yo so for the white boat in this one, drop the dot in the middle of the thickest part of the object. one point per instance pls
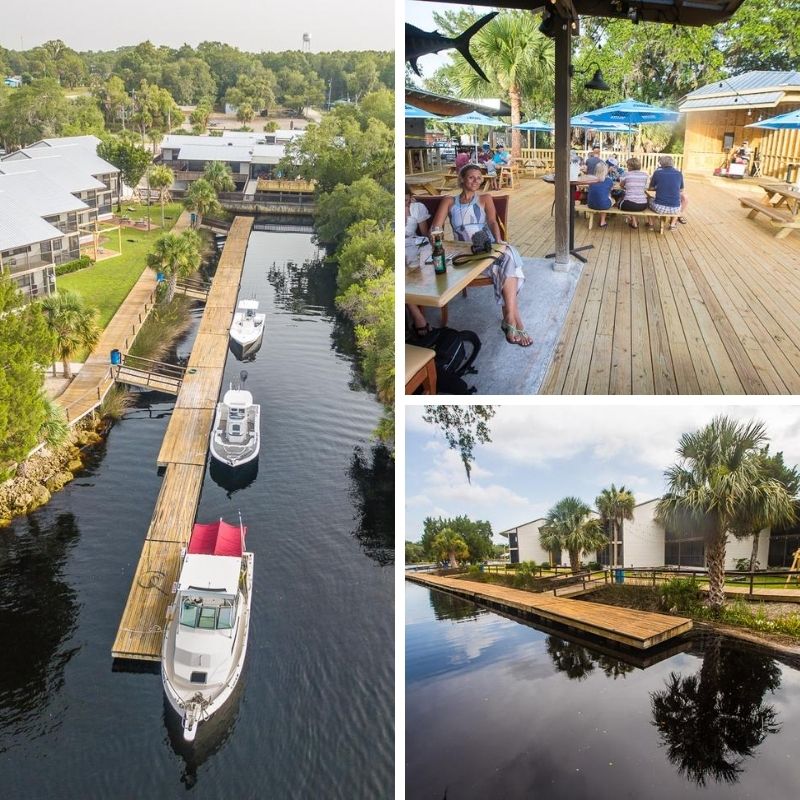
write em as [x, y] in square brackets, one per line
[205, 640]
[247, 329]
[236, 437]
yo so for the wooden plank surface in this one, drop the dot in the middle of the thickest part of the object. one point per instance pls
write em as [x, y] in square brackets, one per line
[183, 453]
[712, 307]
[638, 629]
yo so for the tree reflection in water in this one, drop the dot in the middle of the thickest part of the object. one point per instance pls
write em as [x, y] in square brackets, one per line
[39, 615]
[711, 722]
[448, 606]
[578, 662]
[372, 492]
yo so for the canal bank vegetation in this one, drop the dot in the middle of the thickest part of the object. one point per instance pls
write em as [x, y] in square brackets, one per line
[350, 155]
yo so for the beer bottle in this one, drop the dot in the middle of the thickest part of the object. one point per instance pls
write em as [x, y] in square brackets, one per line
[438, 255]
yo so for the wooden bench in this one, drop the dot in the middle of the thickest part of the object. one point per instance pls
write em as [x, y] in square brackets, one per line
[783, 220]
[590, 212]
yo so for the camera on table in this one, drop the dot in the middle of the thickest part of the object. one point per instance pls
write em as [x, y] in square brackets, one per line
[481, 241]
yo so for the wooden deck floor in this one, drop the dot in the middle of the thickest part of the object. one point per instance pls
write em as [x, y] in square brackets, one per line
[638, 629]
[183, 453]
[710, 308]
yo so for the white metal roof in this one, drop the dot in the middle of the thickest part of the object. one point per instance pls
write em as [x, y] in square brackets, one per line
[39, 193]
[19, 226]
[59, 168]
[220, 152]
[87, 140]
[210, 572]
[268, 153]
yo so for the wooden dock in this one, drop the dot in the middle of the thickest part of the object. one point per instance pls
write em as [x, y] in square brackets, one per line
[183, 454]
[640, 630]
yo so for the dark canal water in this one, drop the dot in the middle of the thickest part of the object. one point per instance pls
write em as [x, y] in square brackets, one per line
[499, 709]
[314, 718]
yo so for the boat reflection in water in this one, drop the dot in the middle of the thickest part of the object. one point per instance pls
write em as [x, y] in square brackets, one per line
[210, 738]
[232, 479]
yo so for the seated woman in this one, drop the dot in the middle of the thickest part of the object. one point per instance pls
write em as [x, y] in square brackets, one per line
[417, 217]
[634, 182]
[670, 197]
[470, 212]
[599, 195]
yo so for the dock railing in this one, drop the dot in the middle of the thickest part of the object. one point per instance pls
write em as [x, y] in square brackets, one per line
[752, 580]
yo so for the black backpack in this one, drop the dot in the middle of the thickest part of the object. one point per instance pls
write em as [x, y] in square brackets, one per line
[456, 352]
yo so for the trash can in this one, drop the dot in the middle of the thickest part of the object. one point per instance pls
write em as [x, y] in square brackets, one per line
[482, 567]
[619, 575]
[159, 276]
[115, 356]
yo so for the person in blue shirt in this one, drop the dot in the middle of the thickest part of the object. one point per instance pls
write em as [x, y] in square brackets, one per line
[599, 195]
[670, 197]
[500, 156]
[593, 160]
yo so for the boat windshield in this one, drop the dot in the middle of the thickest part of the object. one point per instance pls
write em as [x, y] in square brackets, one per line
[208, 615]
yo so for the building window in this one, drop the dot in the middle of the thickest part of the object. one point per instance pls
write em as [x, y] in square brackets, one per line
[782, 546]
[684, 551]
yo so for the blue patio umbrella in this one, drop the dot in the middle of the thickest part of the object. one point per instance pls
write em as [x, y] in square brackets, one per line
[781, 122]
[534, 125]
[632, 112]
[412, 112]
[475, 118]
[583, 121]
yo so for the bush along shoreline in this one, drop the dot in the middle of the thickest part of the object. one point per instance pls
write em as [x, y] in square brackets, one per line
[50, 468]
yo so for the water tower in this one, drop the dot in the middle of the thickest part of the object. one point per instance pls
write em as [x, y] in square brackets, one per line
[307, 42]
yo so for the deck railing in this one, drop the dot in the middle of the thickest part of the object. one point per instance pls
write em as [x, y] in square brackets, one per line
[759, 579]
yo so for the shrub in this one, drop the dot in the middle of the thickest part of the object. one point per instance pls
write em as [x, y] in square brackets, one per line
[474, 569]
[680, 595]
[595, 565]
[74, 266]
[545, 565]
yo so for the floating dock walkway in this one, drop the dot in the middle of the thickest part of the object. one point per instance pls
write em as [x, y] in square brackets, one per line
[640, 630]
[183, 454]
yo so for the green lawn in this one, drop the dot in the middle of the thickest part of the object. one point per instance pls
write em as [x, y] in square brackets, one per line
[106, 284]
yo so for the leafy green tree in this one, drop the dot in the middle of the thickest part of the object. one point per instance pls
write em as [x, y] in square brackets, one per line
[73, 323]
[32, 112]
[176, 255]
[26, 344]
[514, 55]
[447, 545]
[219, 175]
[379, 105]
[131, 160]
[83, 117]
[773, 467]
[114, 100]
[188, 80]
[297, 90]
[414, 553]
[245, 113]
[200, 116]
[762, 35]
[463, 428]
[718, 487]
[154, 111]
[569, 522]
[339, 209]
[367, 252]
[615, 506]
[476, 534]
[161, 179]
[201, 198]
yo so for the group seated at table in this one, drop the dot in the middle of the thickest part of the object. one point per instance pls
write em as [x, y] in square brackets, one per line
[669, 198]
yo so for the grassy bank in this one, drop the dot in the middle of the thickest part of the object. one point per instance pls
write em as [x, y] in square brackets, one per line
[106, 284]
[773, 622]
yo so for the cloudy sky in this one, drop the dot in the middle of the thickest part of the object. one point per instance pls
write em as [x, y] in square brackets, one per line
[251, 26]
[539, 455]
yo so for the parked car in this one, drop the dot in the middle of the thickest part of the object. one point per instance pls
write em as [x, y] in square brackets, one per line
[447, 151]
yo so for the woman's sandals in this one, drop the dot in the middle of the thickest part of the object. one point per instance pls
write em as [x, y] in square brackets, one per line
[516, 335]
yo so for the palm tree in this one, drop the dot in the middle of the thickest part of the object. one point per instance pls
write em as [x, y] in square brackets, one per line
[514, 56]
[161, 178]
[719, 486]
[176, 255]
[615, 506]
[219, 175]
[550, 541]
[569, 522]
[447, 544]
[201, 198]
[74, 324]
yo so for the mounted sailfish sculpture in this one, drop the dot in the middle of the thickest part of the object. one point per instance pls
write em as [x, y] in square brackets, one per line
[422, 43]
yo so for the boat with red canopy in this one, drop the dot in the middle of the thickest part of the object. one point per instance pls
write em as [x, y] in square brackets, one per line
[205, 639]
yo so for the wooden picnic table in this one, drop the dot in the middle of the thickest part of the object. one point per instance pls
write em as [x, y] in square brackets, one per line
[425, 288]
[780, 205]
[779, 194]
[431, 186]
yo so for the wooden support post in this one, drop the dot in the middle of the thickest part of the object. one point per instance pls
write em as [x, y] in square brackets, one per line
[563, 40]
